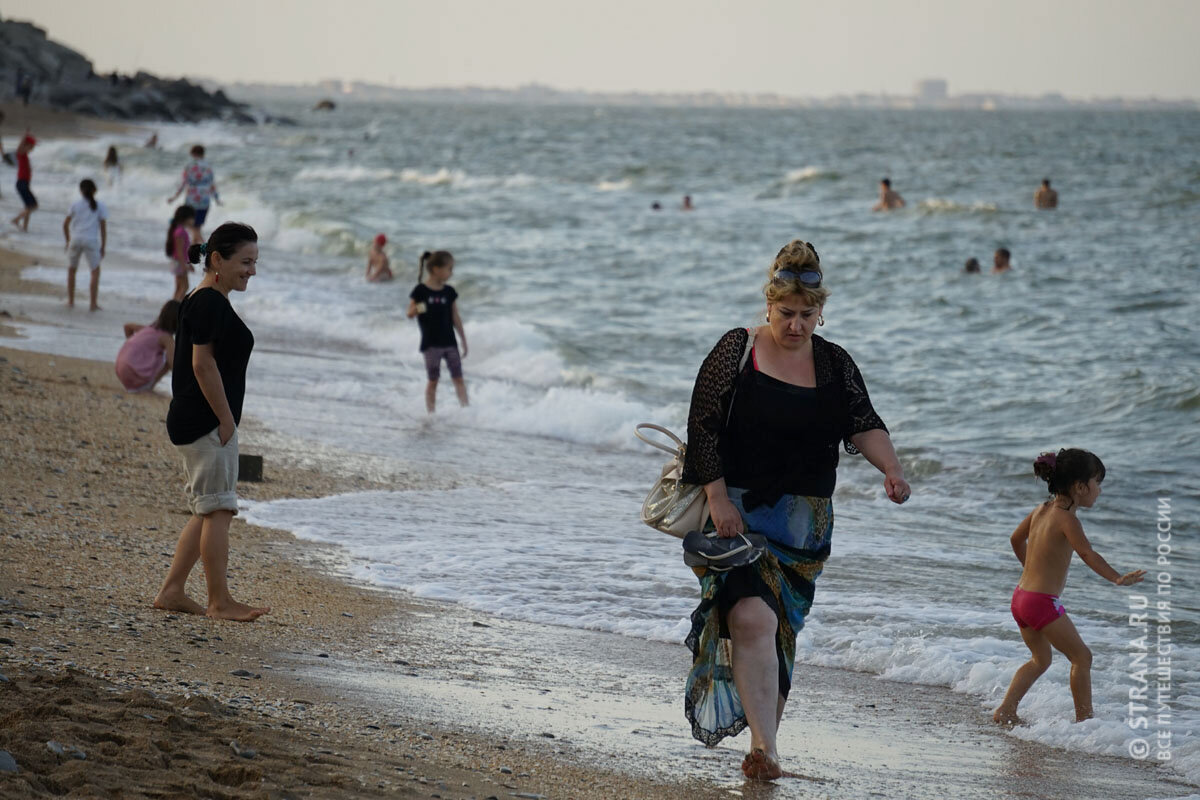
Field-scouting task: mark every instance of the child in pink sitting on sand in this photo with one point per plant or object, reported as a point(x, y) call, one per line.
point(149, 350)
point(1044, 543)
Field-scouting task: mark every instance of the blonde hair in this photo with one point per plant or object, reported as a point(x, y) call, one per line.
point(796, 256)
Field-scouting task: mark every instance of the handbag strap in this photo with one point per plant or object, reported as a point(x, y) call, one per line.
point(750, 333)
point(680, 447)
point(675, 451)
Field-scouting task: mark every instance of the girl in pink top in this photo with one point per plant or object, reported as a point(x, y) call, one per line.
point(149, 350)
point(178, 241)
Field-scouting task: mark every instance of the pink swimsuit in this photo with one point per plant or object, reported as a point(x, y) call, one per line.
point(1035, 609)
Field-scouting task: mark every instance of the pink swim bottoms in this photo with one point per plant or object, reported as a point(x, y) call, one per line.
point(1034, 609)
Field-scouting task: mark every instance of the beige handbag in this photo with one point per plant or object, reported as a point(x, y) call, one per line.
point(673, 506)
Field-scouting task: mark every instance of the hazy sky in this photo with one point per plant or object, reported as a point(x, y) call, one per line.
point(1083, 48)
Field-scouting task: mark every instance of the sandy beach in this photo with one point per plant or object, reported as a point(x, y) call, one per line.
point(92, 504)
point(347, 691)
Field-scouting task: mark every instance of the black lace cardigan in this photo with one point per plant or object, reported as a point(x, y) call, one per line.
point(714, 389)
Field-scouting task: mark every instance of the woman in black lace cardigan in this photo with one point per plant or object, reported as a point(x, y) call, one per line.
point(763, 437)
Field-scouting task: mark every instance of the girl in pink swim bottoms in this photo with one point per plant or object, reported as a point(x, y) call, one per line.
point(1044, 543)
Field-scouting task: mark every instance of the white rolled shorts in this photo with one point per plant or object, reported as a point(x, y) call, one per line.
point(212, 472)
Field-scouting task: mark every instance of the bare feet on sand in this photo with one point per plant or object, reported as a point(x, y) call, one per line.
point(1007, 718)
point(180, 602)
point(758, 766)
point(238, 612)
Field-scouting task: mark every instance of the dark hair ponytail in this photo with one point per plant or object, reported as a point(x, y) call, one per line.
point(88, 189)
point(435, 258)
point(1067, 467)
point(182, 214)
point(168, 318)
point(225, 240)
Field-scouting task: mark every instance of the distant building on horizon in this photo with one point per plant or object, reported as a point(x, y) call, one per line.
point(931, 91)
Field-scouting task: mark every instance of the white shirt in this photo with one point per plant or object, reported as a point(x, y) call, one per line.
point(85, 223)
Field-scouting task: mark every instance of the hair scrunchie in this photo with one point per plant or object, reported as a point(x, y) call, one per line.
point(203, 249)
point(1049, 459)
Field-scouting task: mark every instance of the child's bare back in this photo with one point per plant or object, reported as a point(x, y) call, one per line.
point(1044, 543)
point(1049, 547)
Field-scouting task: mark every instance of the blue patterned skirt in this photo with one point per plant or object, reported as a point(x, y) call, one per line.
point(798, 531)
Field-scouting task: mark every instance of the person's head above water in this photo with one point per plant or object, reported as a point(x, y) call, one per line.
point(197, 151)
point(1001, 257)
point(1045, 183)
point(886, 183)
point(1063, 470)
point(972, 265)
point(380, 240)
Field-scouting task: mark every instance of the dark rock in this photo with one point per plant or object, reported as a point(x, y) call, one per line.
point(65, 750)
point(243, 752)
point(250, 467)
point(7, 762)
point(64, 79)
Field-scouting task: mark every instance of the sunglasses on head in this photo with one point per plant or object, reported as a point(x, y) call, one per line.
point(809, 278)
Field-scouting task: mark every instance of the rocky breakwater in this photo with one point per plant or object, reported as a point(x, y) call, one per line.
point(59, 77)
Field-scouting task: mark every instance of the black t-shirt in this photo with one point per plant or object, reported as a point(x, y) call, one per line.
point(206, 317)
point(782, 438)
point(437, 323)
point(744, 444)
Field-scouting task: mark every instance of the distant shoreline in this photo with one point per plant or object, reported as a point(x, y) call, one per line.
point(537, 94)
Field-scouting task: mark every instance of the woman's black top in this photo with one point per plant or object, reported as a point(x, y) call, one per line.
point(206, 317)
point(779, 438)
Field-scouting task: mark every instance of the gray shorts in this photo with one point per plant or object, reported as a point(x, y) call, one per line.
point(82, 247)
point(212, 472)
point(433, 362)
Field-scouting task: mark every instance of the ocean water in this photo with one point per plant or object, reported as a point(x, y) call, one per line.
point(587, 312)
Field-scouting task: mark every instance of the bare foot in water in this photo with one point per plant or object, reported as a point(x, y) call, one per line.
point(1007, 718)
point(180, 602)
point(758, 766)
point(238, 612)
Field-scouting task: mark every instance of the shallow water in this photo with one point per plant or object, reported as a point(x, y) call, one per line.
point(587, 313)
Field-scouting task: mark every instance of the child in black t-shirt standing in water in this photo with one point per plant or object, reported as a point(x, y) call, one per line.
point(432, 303)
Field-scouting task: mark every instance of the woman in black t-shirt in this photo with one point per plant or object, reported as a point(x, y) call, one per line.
point(763, 438)
point(432, 302)
point(208, 383)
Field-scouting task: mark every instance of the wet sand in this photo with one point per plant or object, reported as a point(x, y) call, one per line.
point(344, 691)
